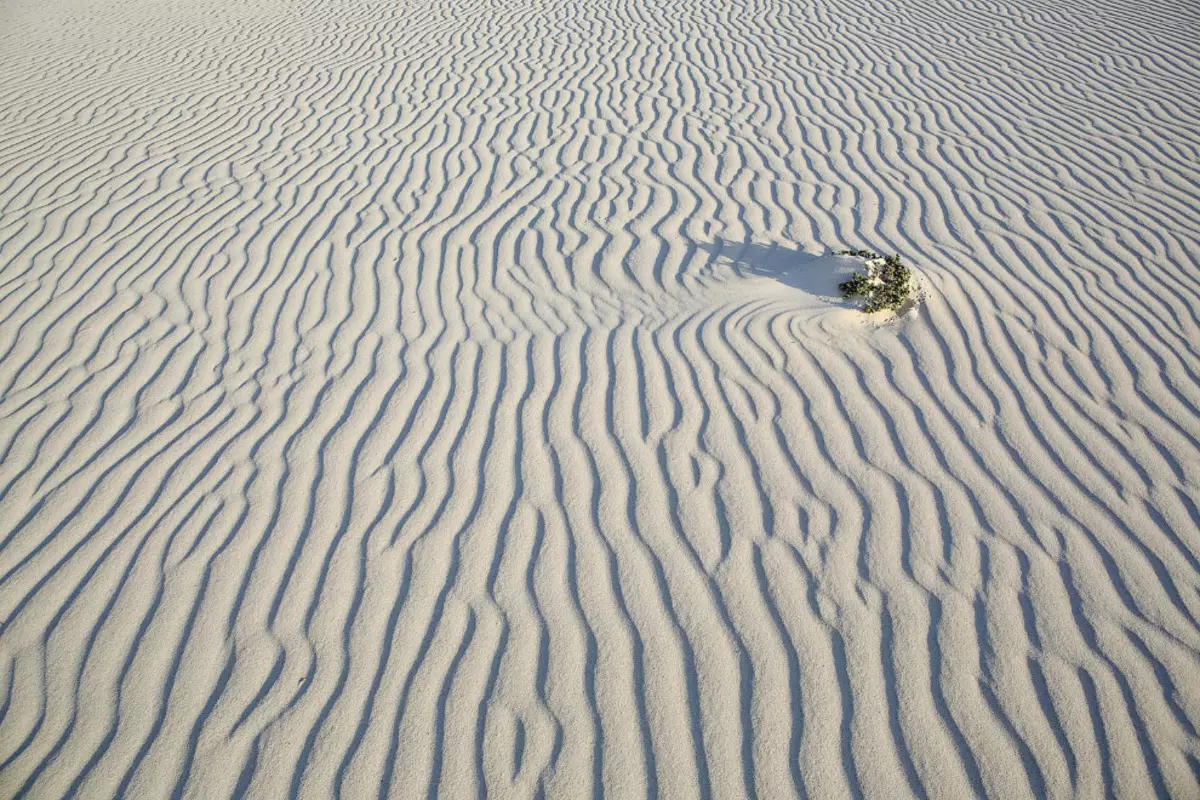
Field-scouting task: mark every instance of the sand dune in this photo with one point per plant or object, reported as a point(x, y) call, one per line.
point(440, 399)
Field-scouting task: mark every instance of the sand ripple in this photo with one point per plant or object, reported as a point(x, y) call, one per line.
point(450, 399)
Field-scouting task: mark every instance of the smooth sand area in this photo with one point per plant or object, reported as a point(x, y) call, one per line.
point(453, 398)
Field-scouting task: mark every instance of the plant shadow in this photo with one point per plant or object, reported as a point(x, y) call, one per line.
point(814, 274)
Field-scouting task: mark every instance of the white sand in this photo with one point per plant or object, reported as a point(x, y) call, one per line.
point(451, 399)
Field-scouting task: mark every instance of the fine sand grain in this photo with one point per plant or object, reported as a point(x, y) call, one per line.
point(451, 398)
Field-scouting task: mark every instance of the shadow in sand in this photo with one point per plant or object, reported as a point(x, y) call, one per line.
point(818, 275)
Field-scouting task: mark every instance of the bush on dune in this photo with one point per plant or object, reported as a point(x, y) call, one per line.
point(886, 285)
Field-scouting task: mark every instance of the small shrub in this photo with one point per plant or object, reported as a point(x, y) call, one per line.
point(886, 285)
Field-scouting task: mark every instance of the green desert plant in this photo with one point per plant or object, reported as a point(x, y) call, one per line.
point(886, 285)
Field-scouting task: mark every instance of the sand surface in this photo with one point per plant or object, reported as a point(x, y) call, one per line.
point(452, 399)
